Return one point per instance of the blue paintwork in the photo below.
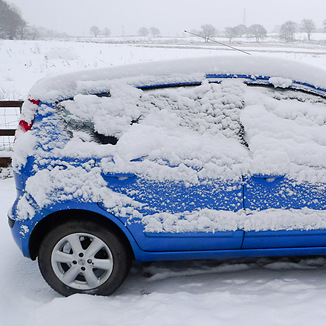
(263, 192)
(251, 192)
(243, 253)
(22, 240)
(176, 197)
(284, 239)
(277, 191)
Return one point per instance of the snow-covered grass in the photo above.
(25, 62)
(279, 291)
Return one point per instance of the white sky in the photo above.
(171, 16)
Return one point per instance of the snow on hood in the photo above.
(186, 70)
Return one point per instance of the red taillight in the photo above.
(25, 126)
(36, 102)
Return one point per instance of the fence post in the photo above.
(6, 161)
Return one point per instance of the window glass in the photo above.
(286, 132)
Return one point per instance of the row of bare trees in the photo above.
(289, 28)
(143, 31)
(13, 26)
(286, 31)
(152, 31)
(256, 30)
(96, 31)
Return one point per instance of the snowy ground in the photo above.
(25, 62)
(265, 292)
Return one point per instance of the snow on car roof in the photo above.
(65, 86)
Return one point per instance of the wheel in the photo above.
(83, 257)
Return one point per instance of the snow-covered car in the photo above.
(216, 157)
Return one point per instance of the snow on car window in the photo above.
(286, 133)
(227, 129)
(172, 133)
(211, 108)
(220, 130)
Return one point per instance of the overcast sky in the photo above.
(171, 16)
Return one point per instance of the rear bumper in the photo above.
(20, 229)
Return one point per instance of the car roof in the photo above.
(181, 71)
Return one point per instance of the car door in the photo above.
(176, 216)
(285, 191)
(179, 166)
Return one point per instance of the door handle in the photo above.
(268, 178)
(119, 176)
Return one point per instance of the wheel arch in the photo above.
(52, 220)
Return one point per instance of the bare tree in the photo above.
(143, 31)
(31, 32)
(106, 32)
(287, 31)
(230, 33)
(308, 26)
(95, 30)
(241, 30)
(258, 31)
(21, 32)
(154, 31)
(207, 31)
(11, 21)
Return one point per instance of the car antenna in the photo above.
(220, 43)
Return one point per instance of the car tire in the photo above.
(83, 257)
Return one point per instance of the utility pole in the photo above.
(244, 17)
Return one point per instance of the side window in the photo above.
(285, 130)
(212, 109)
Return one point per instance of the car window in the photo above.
(80, 127)
(280, 126)
(206, 109)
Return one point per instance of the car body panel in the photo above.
(278, 192)
(273, 191)
(177, 198)
(284, 239)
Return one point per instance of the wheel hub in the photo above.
(82, 261)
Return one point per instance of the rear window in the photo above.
(82, 128)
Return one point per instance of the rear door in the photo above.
(178, 216)
(180, 164)
(285, 192)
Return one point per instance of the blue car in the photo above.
(217, 157)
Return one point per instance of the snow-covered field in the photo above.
(25, 62)
(279, 291)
